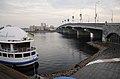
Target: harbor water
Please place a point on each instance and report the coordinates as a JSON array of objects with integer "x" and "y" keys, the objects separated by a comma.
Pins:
[{"x": 58, "y": 53}]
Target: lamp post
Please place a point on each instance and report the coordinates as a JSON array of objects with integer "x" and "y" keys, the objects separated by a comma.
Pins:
[
  {"x": 112, "y": 17},
  {"x": 65, "y": 21},
  {"x": 72, "y": 18},
  {"x": 80, "y": 18},
  {"x": 96, "y": 10},
  {"x": 68, "y": 20}
]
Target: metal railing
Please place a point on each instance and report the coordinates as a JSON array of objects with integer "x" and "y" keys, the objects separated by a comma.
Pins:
[{"x": 23, "y": 49}]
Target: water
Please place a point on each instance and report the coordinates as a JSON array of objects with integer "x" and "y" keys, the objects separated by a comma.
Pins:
[{"x": 59, "y": 53}]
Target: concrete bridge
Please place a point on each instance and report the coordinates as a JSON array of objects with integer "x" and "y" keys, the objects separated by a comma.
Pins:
[
  {"x": 84, "y": 25},
  {"x": 86, "y": 30},
  {"x": 96, "y": 31},
  {"x": 111, "y": 33}
]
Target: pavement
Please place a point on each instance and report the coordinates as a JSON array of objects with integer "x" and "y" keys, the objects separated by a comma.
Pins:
[
  {"x": 107, "y": 69},
  {"x": 9, "y": 73}
]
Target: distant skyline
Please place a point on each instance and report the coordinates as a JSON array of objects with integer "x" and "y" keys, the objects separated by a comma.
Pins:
[{"x": 23, "y": 13}]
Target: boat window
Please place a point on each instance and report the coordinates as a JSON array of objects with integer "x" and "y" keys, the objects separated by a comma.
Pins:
[
  {"x": 0, "y": 54},
  {"x": 10, "y": 55},
  {"x": 33, "y": 53},
  {"x": 4, "y": 55},
  {"x": 5, "y": 46},
  {"x": 18, "y": 55},
  {"x": 22, "y": 47},
  {"x": 26, "y": 54}
]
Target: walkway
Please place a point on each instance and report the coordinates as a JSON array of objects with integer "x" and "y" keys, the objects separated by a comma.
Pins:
[
  {"x": 9, "y": 73},
  {"x": 104, "y": 60},
  {"x": 108, "y": 68}
]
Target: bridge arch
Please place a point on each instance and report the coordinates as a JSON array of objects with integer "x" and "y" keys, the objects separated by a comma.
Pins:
[{"x": 113, "y": 38}]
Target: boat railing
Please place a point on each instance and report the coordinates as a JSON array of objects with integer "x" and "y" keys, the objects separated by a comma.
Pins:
[
  {"x": 5, "y": 50},
  {"x": 30, "y": 49},
  {"x": 23, "y": 49}
]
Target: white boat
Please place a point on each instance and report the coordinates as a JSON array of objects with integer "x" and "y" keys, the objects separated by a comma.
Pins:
[{"x": 15, "y": 47}]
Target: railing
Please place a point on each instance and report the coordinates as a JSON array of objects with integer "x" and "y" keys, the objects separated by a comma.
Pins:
[
  {"x": 19, "y": 54},
  {"x": 23, "y": 49},
  {"x": 5, "y": 50}
]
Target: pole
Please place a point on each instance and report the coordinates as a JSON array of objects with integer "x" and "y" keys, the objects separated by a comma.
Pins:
[
  {"x": 112, "y": 17},
  {"x": 73, "y": 18},
  {"x": 95, "y": 12}
]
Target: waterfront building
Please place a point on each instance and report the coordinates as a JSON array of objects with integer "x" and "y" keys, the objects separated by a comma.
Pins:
[{"x": 42, "y": 27}]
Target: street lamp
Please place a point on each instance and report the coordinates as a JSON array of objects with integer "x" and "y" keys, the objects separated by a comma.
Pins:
[
  {"x": 96, "y": 10},
  {"x": 80, "y": 18},
  {"x": 112, "y": 17},
  {"x": 72, "y": 18},
  {"x": 68, "y": 20}
]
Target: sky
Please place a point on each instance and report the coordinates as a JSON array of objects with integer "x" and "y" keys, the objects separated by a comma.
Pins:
[{"x": 24, "y": 13}]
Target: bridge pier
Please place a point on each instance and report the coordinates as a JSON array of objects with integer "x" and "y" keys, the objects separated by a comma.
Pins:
[
  {"x": 80, "y": 33},
  {"x": 95, "y": 34}
]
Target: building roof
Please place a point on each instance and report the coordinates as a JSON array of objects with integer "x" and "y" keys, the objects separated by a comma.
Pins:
[{"x": 12, "y": 33}]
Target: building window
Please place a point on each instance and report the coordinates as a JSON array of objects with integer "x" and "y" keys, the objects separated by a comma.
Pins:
[
  {"x": 18, "y": 55},
  {"x": 33, "y": 53},
  {"x": 26, "y": 54},
  {"x": 4, "y": 55},
  {"x": 10, "y": 55}
]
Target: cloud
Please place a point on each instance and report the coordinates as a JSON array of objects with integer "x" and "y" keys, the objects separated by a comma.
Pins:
[
  {"x": 26, "y": 6},
  {"x": 54, "y": 11},
  {"x": 71, "y": 3}
]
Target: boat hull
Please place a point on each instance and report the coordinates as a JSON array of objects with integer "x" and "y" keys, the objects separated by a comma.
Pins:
[{"x": 23, "y": 63}]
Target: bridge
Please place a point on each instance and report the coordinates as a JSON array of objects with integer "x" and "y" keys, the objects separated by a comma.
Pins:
[
  {"x": 95, "y": 31},
  {"x": 82, "y": 30},
  {"x": 84, "y": 25}
]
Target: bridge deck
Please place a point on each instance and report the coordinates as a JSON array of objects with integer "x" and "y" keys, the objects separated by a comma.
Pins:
[{"x": 89, "y": 25}]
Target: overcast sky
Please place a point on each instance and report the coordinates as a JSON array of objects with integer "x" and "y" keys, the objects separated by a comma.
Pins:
[{"x": 24, "y": 13}]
